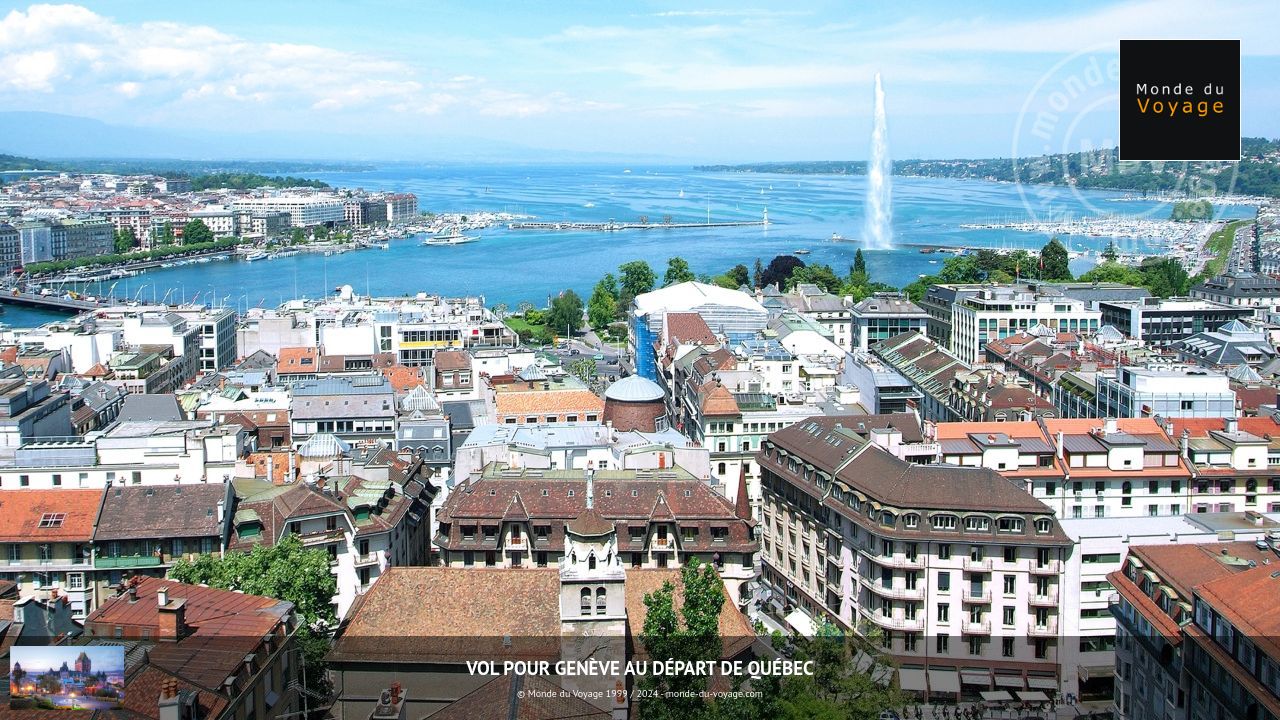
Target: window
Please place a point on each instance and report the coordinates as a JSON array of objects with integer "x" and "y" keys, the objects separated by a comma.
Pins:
[
  {"x": 941, "y": 644},
  {"x": 1006, "y": 646},
  {"x": 944, "y": 581},
  {"x": 584, "y": 606},
  {"x": 944, "y": 613},
  {"x": 944, "y": 551},
  {"x": 24, "y": 481},
  {"x": 1010, "y": 584},
  {"x": 1010, "y": 554},
  {"x": 1008, "y": 616},
  {"x": 1011, "y": 525},
  {"x": 1043, "y": 526},
  {"x": 490, "y": 558},
  {"x": 57, "y": 480},
  {"x": 601, "y": 603},
  {"x": 51, "y": 520}
]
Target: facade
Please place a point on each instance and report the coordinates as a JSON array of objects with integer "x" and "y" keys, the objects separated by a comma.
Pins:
[
  {"x": 1164, "y": 390},
  {"x": 518, "y": 517},
  {"x": 222, "y": 222},
  {"x": 352, "y": 408},
  {"x": 882, "y": 316},
  {"x": 1164, "y": 321},
  {"x": 304, "y": 210},
  {"x": 997, "y": 312},
  {"x": 958, "y": 568},
  {"x": 65, "y": 239},
  {"x": 1235, "y": 463},
  {"x": 1260, "y": 293},
  {"x": 30, "y": 410},
  {"x": 10, "y": 248},
  {"x": 829, "y": 311},
  {"x": 929, "y": 367},
  {"x": 48, "y": 540},
  {"x": 401, "y": 207},
  {"x": 1195, "y": 628}
]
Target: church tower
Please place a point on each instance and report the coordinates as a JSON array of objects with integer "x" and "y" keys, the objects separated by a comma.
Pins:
[{"x": 593, "y": 605}]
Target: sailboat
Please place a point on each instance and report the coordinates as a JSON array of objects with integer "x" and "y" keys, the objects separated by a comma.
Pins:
[{"x": 681, "y": 192}]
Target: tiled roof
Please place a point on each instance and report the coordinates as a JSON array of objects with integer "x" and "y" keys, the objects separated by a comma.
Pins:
[
  {"x": 402, "y": 378},
  {"x": 1248, "y": 601},
  {"x": 550, "y": 402},
  {"x": 164, "y": 511},
  {"x": 452, "y": 360},
  {"x": 736, "y": 633},
  {"x": 717, "y": 400},
  {"x": 297, "y": 360},
  {"x": 688, "y": 328},
  {"x": 60, "y": 514}
]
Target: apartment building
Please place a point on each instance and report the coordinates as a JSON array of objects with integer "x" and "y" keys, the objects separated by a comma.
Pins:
[
  {"x": 517, "y": 517},
  {"x": 30, "y": 410},
  {"x": 1195, "y": 629},
  {"x": 813, "y": 303},
  {"x": 997, "y": 312},
  {"x": 10, "y": 248},
  {"x": 957, "y": 568},
  {"x": 207, "y": 653},
  {"x": 1235, "y": 463},
  {"x": 882, "y": 316},
  {"x": 48, "y": 543},
  {"x": 1163, "y": 390},
  {"x": 401, "y": 207},
  {"x": 1163, "y": 321},
  {"x": 304, "y": 210},
  {"x": 1255, "y": 291},
  {"x": 930, "y": 368},
  {"x": 352, "y": 408}
]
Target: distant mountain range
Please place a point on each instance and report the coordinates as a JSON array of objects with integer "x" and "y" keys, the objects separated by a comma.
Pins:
[
  {"x": 52, "y": 136},
  {"x": 1258, "y": 170}
]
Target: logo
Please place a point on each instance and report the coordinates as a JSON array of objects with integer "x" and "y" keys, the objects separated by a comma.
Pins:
[{"x": 1180, "y": 100}]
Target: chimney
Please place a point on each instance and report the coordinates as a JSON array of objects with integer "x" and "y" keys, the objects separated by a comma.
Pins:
[
  {"x": 133, "y": 594},
  {"x": 173, "y": 620},
  {"x": 591, "y": 485},
  {"x": 391, "y": 704},
  {"x": 1058, "y": 450},
  {"x": 1232, "y": 424},
  {"x": 162, "y": 595},
  {"x": 222, "y": 510},
  {"x": 1110, "y": 426},
  {"x": 1185, "y": 443}
]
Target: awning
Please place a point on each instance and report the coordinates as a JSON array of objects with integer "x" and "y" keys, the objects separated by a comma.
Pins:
[
  {"x": 944, "y": 681},
  {"x": 1095, "y": 671},
  {"x": 976, "y": 677},
  {"x": 911, "y": 679},
  {"x": 1033, "y": 696},
  {"x": 996, "y": 696},
  {"x": 1014, "y": 681},
  {"x": 1044, "y": 683},
  {"x": 801, "y": 623}
]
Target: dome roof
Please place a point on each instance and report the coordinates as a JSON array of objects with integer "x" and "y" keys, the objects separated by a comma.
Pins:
[
  {"x": 323, "y": 445},
  {"x": 634, "y": 389}
]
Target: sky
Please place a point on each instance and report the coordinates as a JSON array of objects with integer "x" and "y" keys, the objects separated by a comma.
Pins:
[{"x": 689, "y": 80}]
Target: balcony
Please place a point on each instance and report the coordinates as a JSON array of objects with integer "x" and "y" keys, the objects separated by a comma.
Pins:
[
  {"x": 897, "y": 623},
  {"x": 977, "y": 596},
  {"x": 1043, "y": 600},
  {"x": 50, "y": 564},
  {"x": 896, "y": 593},
  {"x": 1052, "y": 567},
  {"x": 1048, "y": 628},
  {"x": 517, "y": 543},
  {"x": 128, "y": 561},
  {"x": 982, "y": 627},
  {"x": 893, "y": 561},
  {"x": 324, "y": 537},
  {"x": 663, "y": 544},
  {"x": 972, "y": 565},
  {"x": 367, "y": 559}
]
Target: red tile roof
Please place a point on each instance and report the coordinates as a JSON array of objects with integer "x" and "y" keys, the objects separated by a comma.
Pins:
[
  {"x": 298, "y": 360},
  {"x": 452, "y": 360},
  {"x": 684, "y": 328},
  {"x": 1200, "y": 427},
  {"x": 60, "y": 515},
  {"x": 402, "y": 378}
]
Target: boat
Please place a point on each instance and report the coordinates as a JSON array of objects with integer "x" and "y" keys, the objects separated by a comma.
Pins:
[
  {"x": 589, "y": 205},
  {"x": 802, "y": 252},
  {"x": 836, "y": 237},
  {"x": 255, "y": 255},
  {"x": 451, "y": 238}
]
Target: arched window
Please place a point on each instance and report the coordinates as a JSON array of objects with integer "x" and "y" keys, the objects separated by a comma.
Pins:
[
  {"x": 591, "y": 561},
  {"x": 600, "y": 601},
  {"x": 586, "y": 601},
  {"x": 1126, "y": 488},
  {"x": 1251, "y": 485}
]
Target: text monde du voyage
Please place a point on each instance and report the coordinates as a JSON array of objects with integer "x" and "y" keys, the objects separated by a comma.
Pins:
[{"x": 1181, "y": 99}]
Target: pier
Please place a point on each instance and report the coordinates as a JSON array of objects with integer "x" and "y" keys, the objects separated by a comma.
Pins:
[{"x": 612, "y": 226}]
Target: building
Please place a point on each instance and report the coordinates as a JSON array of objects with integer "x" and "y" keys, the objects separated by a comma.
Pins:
[
  {"x": 10, "y": 248},
  {"x": 205, "y": 653},
  {"x": 264, "y": 223},
  {"x": 828, "y": 310},
  {"x": 133, "y": 216},
  {"x": 997, "y": 312},
  {"x": 635, "y": 403},
  {"x": 143, "y": 530},
  {"x": 929, "y": 367},
  {"x": 1164, "y": 390},
  {"x": 882, "y": 316},
  {"x": 451, "y": 374},
  {"x": 531, "y": 397},
  {"x": 1260, "y": 293},
  {"x": 352, "y": 408},
  {"x": 65, "y": 239},
  {"x": 958, "y": 568},
  {"x": 47, "y": 537},
  {"x": 1229, "y": 346},
  {"x": 401, "y": 207},
  {"x": 880, "y": 388},
  {"x": 304, "y": 210},
  {"x": 422, "y": 625},
  {"x": 1195, "y": 629},
  {"x": 366, "y": 523},
  {"x": 30, "y": 410},
  {"x": 222, "y": 222},
  {"x": 724, "y": 311},
  {"x": 1164, "y": 321},
  {"x": 516, "y": 517},
  {"x": 1235, "y": 463}
]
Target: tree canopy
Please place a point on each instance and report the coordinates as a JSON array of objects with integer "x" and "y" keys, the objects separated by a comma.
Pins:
[
  {"x": 565, "y": 313},
  {"x": 1054, "y": 261},
  {"x": 602, "y": 308},
  {"x": 196, "y": 232},
  {"x": 677, "y": 272},
  {"x": 779, "y": 271}
]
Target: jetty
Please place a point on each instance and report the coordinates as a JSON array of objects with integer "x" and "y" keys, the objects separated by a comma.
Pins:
[{"x": 614, "y": 226}]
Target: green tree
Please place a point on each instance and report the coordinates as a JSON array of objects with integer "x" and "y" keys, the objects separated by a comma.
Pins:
[
  {"x": 821, "y": 275},
  {"x": 321, "y": 232},
  {"x": 739, "y": 275},
  {"x": 501, "y": 310},
  {"x": 287, "y": 571},
  {"x": 1111, "y": 254},
  {"x": 125, "y": 241},
  {"x": 637, "y": 278},
  {"x": 850, "y": 679},
  {"x": 196, "y": 232},
  {"x": 697, "y": 638},
  {"x": 297, "y": 236},
  {"x": 584, "y": 368},
  {"x": 677, "y": 272},
  {"x": 779, "y": 271},
  {"x": 1054, "y": 261},
  {"x": 602, "y": 308},
  {"x": 757, "y": 274},
  {"x": 166, "y": 235},
  {"x": 859, "y": 262},
  {"x": 565, "y": 313},
  {"x": 1165, "y": 277}
]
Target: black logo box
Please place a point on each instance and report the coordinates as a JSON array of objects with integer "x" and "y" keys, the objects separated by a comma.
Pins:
[{"x": 1187, "y": 66}]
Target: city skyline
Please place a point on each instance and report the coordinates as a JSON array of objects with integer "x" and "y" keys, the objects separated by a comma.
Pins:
[
  {"x": 37, "y": 659},
  {"x": 711, "y": 82}
]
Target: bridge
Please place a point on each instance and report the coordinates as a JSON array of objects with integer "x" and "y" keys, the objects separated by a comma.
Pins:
[{"x": 51, "y": 302}]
